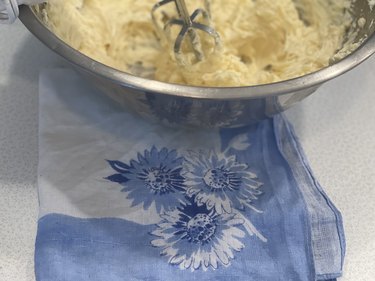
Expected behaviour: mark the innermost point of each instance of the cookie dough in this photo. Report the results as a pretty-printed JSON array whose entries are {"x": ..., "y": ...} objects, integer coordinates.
[{"x": 263, "y": 41}]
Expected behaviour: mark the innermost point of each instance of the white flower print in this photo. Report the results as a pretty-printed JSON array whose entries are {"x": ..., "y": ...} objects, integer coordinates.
[
  {"x": 195, "y": 237},
  {"x": 220, "y": 182}
]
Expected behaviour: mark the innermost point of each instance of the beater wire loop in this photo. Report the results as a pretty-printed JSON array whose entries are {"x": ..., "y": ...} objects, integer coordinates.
[{"x": 189, "y": 27}]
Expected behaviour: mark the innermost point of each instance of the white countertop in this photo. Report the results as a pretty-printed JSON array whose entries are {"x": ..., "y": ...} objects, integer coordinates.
[{"x": 336, "y": 127}]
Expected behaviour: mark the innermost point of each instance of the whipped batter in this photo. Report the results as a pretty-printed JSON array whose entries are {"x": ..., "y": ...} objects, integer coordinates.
[{"x": 263, "y": 41}]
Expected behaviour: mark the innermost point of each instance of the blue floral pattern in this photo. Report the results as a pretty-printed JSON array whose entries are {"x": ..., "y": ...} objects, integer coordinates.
[
  {"x": 155, "y": 177},
  {"x": 220, "y": 182},
  {"x": 201, "y": 198},
  {"x": 168, "y": 110},
  {"x": 196, "y": 237}
]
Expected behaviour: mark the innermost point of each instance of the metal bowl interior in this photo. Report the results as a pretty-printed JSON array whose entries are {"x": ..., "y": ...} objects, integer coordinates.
[{"x": 203, "y": 106}]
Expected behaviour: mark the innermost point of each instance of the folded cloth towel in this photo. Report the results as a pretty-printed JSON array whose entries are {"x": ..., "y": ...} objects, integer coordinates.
[{"x": 123, "y": 199}]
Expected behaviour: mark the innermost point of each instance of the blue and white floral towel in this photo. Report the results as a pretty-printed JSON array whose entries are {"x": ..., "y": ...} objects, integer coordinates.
[{"x": 122, "y": 199}]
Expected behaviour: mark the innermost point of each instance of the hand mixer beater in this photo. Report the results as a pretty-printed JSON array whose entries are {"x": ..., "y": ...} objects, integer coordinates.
[{"x": 189, "y": 28}]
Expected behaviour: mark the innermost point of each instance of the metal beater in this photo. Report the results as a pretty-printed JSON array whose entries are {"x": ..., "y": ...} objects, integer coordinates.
[{"x": 189, "y": 27}]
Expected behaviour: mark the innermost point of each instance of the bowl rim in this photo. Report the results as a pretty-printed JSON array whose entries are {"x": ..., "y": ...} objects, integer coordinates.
[{"x": 36, "y": 27}]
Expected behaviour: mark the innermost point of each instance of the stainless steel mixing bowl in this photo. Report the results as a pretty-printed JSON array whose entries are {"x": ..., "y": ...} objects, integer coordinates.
[{"x": 179, "y": 105}]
